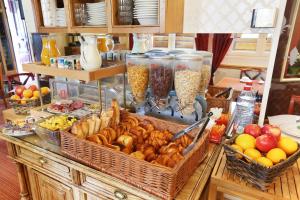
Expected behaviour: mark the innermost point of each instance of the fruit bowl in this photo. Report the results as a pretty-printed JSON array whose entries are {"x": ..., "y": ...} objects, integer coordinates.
[{"x": 250, "y": 170}]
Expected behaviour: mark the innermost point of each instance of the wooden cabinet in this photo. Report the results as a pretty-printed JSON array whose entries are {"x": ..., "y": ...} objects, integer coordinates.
[
  {"x": 45, "y": 188},
  {"x": 170, "y": 19}
]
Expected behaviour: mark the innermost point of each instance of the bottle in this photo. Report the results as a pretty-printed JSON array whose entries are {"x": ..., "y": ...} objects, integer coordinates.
[{"x": 245, "y": 109}]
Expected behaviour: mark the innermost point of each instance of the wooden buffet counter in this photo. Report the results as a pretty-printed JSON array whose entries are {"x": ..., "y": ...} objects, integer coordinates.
[{"x": 46, "y": 173}]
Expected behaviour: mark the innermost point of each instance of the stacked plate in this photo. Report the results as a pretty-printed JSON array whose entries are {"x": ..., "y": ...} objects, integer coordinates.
[
  {"x": 96, "y": 13},
  {"x": 60, "y": 19},
  {"x": 146, "y": 11}
]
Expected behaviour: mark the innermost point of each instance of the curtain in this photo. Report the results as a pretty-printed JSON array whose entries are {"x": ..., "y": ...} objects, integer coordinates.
[
  {"x": 201, "y": 41},
  {"x": 130, "y": 41},
  {"x": 221, "y": 44}
]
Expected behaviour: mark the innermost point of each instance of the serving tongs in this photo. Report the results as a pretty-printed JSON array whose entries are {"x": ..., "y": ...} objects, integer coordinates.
[
  {"x": 226, "y": 91},
  {"x": 190, "y": 128},
  {"x": 228, "y": 132},
  {"x": 198, "y": 136}
]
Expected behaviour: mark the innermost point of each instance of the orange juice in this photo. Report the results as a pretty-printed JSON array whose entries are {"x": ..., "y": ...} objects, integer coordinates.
[
  {"x": 53, "y": 50},
  {"x": 45, "y": 57},
  {"x": 101, "y": 43}
]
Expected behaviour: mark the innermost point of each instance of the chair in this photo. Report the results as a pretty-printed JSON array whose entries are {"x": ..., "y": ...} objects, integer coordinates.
[
  {"x": 294, "y": 100},
  {"x": 14, "y": 79},
  {"x": 253, "y": 74},
  {"x": 2, "y": 94}
]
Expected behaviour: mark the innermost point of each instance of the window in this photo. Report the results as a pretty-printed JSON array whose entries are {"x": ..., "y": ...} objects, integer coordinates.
[
  {"x": 172, "y": 41},
  {"x": 252, "y": 42}
]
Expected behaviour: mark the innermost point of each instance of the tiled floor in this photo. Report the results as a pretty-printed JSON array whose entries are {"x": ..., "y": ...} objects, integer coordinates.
[{"x": 9, "y": 187}]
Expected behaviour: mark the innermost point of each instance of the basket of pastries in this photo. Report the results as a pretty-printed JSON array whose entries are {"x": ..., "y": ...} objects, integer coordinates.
[
  {"x": 26, "y": 98},
  {"x": 136, "y": 149},
  {"x": 219, "y": 97},
  {"x": 259, "y": 155}
]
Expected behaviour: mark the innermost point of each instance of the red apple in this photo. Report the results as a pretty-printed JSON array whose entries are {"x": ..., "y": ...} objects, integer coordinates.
[
  {"x": 33, "y": 88},
  {"x": 266, "y": 142},
  {"x": 19, "y": 90},
  {"x": 252, "y": 129},
  {"x": 272, "y": 130}
]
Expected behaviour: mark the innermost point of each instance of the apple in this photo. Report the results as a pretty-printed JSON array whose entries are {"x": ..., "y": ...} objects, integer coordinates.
[
  {"x": 266, "y": 142},
  {"x": 33, "y": 87},
  {"x": 19, "y": 90},
  {"x": 272, "y": 130},
  {"x": 252, "y": 129}
]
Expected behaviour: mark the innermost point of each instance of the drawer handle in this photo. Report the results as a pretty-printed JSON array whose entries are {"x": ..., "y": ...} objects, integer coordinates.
[
  {"x": 42, "y": 160},
  {"x": 120, "y": 195}
]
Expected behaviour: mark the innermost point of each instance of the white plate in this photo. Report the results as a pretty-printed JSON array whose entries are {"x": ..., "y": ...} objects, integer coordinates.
[
  {"x": 291, "y": 129},
  {"x": 148, "y": 21},
  {"x": 145, "y": 13},
  {"x": 145, "y": 16}
]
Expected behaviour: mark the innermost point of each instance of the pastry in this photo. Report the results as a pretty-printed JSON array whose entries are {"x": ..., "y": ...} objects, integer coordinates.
[
  {"x": 95, "y": 138},
  {"x": 138, "y": 155},
  {"x": 92, "y": 124},
  {"x": 125, "y": 140},
  {"x": 85, "y": 127}
]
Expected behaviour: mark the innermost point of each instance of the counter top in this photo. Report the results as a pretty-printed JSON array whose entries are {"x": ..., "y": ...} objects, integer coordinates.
[{"x": 192, "y": 190}]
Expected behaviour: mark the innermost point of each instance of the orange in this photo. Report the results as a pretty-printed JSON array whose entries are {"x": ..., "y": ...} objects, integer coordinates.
[
  {"x": 245, "y": 141},
  {"x": 45, "y": 90},
  {"x": 238, "y": 149},
  {"x": 288, "y": 145},
  {"x": 265, "y": 162},
  {"x": 27, "y": 93},
  {"x": 276, "y": 155},
  {"x": 252, "y": 153},
  {"x": 36, "y": 94},
  {"x": 33, "y": 98}
]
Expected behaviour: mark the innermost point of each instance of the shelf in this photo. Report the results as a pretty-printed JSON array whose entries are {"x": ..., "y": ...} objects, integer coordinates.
[
  {"x": 104, "y": 72},
  {"x": 43, "y": 29},
  {"x": 89, "y": 29},
  {"x": 135, "y": 29}
]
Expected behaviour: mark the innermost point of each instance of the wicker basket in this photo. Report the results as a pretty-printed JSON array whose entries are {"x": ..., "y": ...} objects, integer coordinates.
[
  {"x": 213, "y": 102},
  {"x": 161, "y": 181},
  {"x": 259, "y": 176},
  {"x": 24, "y": 109}
]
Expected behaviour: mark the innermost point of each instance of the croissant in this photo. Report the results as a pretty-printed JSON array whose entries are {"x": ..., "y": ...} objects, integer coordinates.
[
  {"x": 138, "y": 155},
  {"x": 184, "y": 141},
  {"x": 94, "y": 138}
]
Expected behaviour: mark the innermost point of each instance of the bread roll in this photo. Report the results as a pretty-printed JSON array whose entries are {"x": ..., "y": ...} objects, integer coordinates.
[
  {"x": 85, "y": 127},
  {"x": 92, "y": 124},
  {"x": 138, "y": 155},
  {"x": 125, "y": 140}
]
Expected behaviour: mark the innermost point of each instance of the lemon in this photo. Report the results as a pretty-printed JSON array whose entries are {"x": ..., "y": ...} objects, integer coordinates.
[
  {"x": 265, "y": 162},
  {"x": 245, "y": 141},
  {"x": 288, "y": 145},
  {"x": 276, "y": 155},
  {"x": 252, "y": 153}
]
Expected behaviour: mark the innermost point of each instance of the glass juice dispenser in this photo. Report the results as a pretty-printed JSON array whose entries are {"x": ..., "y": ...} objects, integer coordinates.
[{"x": 188, "y": 76}]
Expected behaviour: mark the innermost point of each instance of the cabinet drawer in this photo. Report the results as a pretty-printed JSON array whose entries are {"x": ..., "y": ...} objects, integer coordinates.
[
  {"x": 104, "y": 189},
  {"x": 45, "y": 163}
]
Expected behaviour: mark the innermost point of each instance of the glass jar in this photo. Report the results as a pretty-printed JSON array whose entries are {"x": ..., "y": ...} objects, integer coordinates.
[
  {"x": 45, "y": 57},
  {"x": 188, "y": 70},
  {"x": 161, "y": 77},
  {"x": 53, "y": 50},
  {"x": 138, "y": 76},
  {"x": 206, "y": 70}
]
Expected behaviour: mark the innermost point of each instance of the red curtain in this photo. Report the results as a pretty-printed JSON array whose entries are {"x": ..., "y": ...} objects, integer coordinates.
[
  {"x": 221, "y": 44},
  {"x": 201, "y": 41},
  {"x": 130, "y": 41}
]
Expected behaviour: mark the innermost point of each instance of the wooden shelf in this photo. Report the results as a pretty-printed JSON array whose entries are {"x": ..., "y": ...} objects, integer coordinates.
[
  {"x": 104, "y": 72},
  {"x": 43, "y": 29},
  {"x": 89, "y": 29},
  {"x": 135, "y": 29}
]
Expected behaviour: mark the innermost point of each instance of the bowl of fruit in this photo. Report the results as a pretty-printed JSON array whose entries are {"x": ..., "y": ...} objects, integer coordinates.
[
  {"x": 24, "y": 98},
  {"x": 260, "y": 154},
  {"x": 49, "y": 128}
]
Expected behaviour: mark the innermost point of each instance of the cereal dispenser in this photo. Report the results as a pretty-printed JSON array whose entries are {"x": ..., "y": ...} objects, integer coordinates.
[{"x": 138, "y": 77}]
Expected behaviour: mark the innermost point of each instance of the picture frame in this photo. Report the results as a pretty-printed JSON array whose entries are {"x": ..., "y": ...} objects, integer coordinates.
[{"x": 290, "y": 70}]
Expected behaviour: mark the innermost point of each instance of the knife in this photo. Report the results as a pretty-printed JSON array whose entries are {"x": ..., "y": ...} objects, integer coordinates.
[
  {"x": 198, "y": 136},
  {"x": 188, "y": 129}
]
